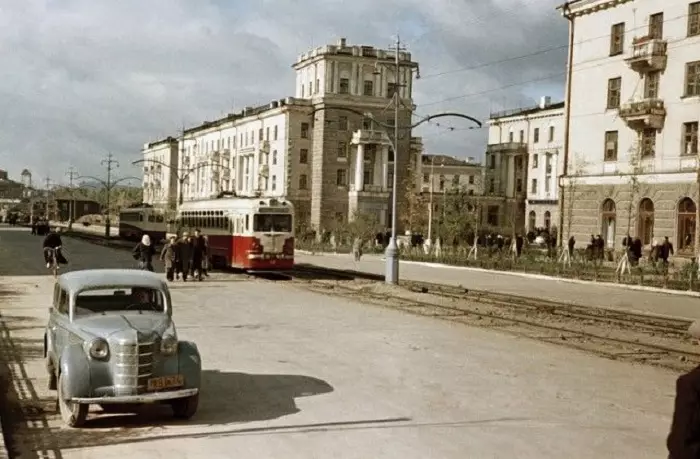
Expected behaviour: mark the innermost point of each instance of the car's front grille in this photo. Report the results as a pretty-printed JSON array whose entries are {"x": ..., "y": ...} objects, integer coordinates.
[{"x": 134, "y": 365}]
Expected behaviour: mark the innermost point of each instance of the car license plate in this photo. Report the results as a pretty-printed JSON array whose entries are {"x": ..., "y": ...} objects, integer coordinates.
[{"x": 166, "y": 382}]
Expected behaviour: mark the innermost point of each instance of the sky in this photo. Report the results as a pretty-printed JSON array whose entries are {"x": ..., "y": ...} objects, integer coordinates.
[{"x": 83, "y": 78}]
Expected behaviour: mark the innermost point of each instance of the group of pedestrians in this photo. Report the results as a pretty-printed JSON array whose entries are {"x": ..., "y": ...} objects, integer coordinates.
[{"x": 187, "y": 256}]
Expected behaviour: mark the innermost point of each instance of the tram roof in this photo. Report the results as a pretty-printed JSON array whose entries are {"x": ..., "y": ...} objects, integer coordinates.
[{"x": 230, "y": 203}]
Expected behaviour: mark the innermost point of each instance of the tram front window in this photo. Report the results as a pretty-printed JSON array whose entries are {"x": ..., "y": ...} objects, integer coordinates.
[{"x": 272, "y": 223}]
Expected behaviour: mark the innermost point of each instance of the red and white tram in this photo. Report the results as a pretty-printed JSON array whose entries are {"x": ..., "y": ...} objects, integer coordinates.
[{"x": 251, "y": 233}]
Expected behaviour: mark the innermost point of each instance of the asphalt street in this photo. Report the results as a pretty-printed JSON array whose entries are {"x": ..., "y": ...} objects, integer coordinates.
[{"x": 294, "y": 374}]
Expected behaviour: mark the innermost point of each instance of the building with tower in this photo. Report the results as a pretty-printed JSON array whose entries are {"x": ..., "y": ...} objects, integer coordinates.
[{"x": 331, "y": 163}]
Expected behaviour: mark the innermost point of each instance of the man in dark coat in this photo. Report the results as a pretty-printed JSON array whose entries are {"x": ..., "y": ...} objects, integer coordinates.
[
  {"x": 183, "y": 256},
  {"x": 199, "y": 251},
  {"x": 684, "y": 439}
]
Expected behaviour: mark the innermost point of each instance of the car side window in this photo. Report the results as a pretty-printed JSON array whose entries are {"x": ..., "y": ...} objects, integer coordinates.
[{"x": 62, "y": 303}]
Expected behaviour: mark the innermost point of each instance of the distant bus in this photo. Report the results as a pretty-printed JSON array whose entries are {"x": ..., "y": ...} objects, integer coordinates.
[{"x": 137, "y": 221}]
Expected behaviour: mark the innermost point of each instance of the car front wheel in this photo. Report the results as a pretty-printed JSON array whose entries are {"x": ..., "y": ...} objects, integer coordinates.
[
  {"x": 73, "y": 414},
  {"x": 185, "y": 408}
]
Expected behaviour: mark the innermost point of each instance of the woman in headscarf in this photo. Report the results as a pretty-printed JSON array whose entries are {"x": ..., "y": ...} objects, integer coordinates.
[{"x": 143, "y": 253}]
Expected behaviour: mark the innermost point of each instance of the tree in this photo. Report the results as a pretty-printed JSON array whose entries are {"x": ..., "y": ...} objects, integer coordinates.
[
  {"x": 458, "y": 221},
  {"x": 364, "y": 225},
  {"x": 634, "y": 170},
  {"x": 571, "y": 192}
]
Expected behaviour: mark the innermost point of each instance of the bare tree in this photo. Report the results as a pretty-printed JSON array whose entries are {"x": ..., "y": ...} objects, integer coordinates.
[
  {"x": 571, "y": 191},
  {"x": 634, "y": 170}
]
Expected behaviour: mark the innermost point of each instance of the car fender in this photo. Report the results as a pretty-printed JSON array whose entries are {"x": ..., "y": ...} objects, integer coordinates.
[
  {"x": 190, "y": 363},
  {"x": 75, "y": 372}
]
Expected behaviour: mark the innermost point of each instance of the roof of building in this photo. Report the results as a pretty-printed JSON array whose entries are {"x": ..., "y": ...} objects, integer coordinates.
[
  {"x": 526, "y": 111},
  {"x": 447, "y": 160}
]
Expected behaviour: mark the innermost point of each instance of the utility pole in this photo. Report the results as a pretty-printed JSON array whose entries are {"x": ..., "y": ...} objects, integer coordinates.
[
  {"x": 392, "y": 250},
  {"x": 110, "y": 163},
  {"x": 72, "y": 175},
  {"x": 48, "y": 186}
]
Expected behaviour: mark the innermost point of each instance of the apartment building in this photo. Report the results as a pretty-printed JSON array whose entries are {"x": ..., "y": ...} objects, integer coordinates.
[
  {"x": 634, "y": 112},
  {"x": 523, "y": 166},
  {"x": 160, "y": 173},
  {"x": 441, "y": 173},
  {"x": 323, "y": 149}
]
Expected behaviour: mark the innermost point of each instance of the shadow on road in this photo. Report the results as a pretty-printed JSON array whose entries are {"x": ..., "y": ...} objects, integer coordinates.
[{"x": 225, "y": 398}]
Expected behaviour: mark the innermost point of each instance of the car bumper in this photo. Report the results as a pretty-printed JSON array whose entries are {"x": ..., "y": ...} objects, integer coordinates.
[{"x": 152, "y": 397}]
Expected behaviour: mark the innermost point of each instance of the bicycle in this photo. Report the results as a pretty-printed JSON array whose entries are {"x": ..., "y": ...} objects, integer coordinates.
[{"x": 53, "y": 264}]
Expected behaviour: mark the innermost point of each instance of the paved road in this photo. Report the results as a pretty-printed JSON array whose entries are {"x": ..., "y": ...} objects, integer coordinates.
[
  {"x": 289, "y": 373},
  {"x": 586, "y": 294}
]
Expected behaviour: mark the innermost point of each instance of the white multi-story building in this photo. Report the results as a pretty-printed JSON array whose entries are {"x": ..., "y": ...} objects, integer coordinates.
[
  {"x": 523, "y": 160},
  {"x": 634, "y": 111},
  {"x": 160, "y": 173}
]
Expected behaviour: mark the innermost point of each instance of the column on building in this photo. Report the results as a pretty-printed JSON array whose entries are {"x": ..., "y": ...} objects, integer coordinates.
[
  {"x": 543, "y": 175},
  {"x": 553, "y": 179},
  {"x": 385, "y": 167},
  {"x": 360, "y": 167}
]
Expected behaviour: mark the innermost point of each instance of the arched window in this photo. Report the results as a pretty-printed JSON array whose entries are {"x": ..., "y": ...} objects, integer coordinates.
[
  {"x": 608, "y": 219},
  {"x": 532, "y": 218},
  {"x": 645, "y": 222},
  {"x": 547, "y": 220},
  {"x": 686, "y": 224}
]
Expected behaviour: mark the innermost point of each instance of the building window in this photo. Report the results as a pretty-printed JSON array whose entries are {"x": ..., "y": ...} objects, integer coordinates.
[
  {"x": 694, "y": 19},
  {"x": 303, "y": 182},
  {"x": 455, "y": 181},
  {"x": 274, "y": 157},
  {"x": 343, "y": 123},
  {"x": 492, "y": 162},
  {"x": 532, "y": 221},
  {"x": 608, "y": 220},
  {"x": 302, "y": 90},
  {"x": 651, "y": 85},
  {"x": 274, "y": 133},
  {"x": 614, "y": 92},
  {"x": 426, "y": 178},
  {"x": 442, "y": 183},
  {"x": 310, "y": 88},
  {"x": 341, "y": 177},
  {"x": 390, "y": 90},
  {"x": 611, "y": 146},
  {"x": 510, "y": 137},
  {"x": 536, "y": 135},
  {"x": 492, "y": 215},
  {"x": 471, "y": 180},
  {"x": 551, "y": 133},
  {"x": 648, "y": 143},
  {"x": 344, "y": 87},
  {"x": 267, "y": 133},
  {"x": 656, "y": 27},
  {"x": 535, "y": 161},
  {"x": 368, "y": 88},
  {"x": 547, "y": 220},
  {"x": 492, "y": 185},
  {"x": 686, "y": 224},
  {"x": 366, "y": 124},
  {"x": 342, "y": 150},
  {"x": 274, "y": 182},
  {"x": 692, "y": 78},
  {"x": 260, "y": 134},
  {"x": 533, "y": 189},
  {"x": 303, "y": 156},
  {"x": 645, "y": 230},
  {"x": 690, "y": 139},
  {"x": 617, "y": 39},
  {"x": 522, "y": 136},
  {"x": 519, "y": 185},
  {"x": 304, "y": 130},
  {"x": 318, "y": 86}
]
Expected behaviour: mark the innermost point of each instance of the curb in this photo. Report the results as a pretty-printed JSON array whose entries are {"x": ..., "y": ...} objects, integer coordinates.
[{"x": 428, "y": 264}]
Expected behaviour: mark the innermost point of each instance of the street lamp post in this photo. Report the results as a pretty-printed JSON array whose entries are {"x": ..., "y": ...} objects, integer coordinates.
[{"x": 391, "y": 253}]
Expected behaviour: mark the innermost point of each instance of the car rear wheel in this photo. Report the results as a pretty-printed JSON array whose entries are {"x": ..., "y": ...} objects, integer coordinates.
[
  {"x": 73, "y": 414},
  {"x": 185, "y": 408}
]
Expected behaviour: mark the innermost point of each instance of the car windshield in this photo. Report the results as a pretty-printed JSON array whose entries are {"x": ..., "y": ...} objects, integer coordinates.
[
  {"x": 120, "y": 299},
  {"x": 272, "y": 222}
]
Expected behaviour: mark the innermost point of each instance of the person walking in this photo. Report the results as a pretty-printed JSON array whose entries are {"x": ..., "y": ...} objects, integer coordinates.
[
  {"x": 143, "y": 253},
  {"x": 206, "y": 261},
  {"x": 357, "y": 248},
  {"x": 199, "y": 252},
  {"x": 183, "y": 256},
  {"x": 169, "y": 258}
]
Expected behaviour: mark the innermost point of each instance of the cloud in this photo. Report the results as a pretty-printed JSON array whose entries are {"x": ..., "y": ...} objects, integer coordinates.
[{"x": 81, "y": 78}]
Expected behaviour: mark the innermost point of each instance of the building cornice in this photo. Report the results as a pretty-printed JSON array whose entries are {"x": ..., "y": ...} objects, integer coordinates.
[
  {"x": 577, "y": 8},
  {"x": 519, "y": 118}
]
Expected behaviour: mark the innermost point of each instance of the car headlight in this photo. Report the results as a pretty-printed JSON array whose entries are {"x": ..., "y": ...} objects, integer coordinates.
[
  {"x": 99, "y": 349},
  {"x": 168, "y": 345}
]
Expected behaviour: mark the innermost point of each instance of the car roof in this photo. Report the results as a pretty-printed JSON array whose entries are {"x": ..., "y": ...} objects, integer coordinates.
[{"x": 95, "y": 278}]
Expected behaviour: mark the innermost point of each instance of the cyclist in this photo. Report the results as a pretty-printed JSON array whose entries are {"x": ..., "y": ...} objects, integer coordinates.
[{"x": 52, "y": 241}]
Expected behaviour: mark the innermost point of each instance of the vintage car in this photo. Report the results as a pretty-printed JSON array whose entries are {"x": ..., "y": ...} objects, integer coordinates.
[{"x": 111, "y": 340}]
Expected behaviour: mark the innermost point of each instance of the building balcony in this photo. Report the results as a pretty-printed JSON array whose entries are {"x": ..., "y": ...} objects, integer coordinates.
[
  {"x": 226, "y": 173},
  {"x": 366, "y": 136},
  {"x": 507, "y": 147},
  {"x": 265, "y": 146},
  {"x": 647, "y": 113},
  {"x": 648, "y": 54}
]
